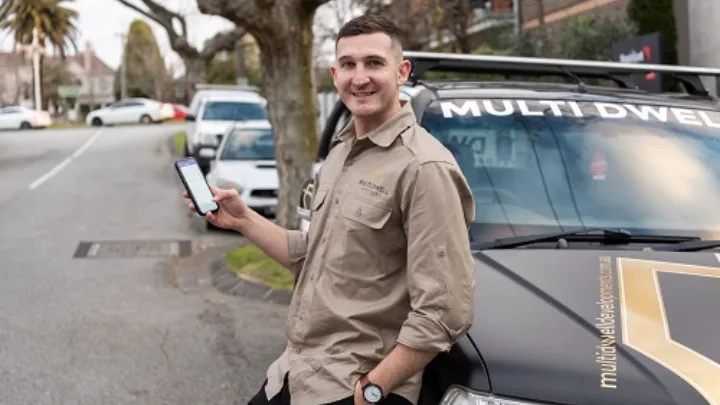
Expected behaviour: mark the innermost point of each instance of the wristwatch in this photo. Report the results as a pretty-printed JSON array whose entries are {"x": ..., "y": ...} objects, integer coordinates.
[{"x": 372, "y": 393}]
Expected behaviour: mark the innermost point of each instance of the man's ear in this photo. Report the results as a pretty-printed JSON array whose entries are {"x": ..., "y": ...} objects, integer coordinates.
[
  {"x": 333, "y": 73},
  {"x": 404, "y": 71}
]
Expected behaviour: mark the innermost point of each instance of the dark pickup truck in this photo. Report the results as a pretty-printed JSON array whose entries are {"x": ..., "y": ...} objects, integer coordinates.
[{"x": 596, "y": 230}]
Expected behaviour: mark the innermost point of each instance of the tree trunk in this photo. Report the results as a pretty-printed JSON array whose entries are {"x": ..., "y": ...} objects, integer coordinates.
[
  {"x": 240, "y": 73},
  {"x": 292, "y": 108},
  {"x": 194, "y": 73}
]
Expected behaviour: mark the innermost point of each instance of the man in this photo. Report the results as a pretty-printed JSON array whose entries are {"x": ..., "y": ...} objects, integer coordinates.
[{"x": 385, "y": 277}]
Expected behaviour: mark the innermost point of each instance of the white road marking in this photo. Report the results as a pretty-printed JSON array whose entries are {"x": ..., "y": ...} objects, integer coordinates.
[{"x": 55, "y": 170}]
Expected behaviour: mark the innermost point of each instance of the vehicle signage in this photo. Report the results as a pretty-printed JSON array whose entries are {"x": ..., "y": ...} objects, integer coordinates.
[
  {"x": 645, "y": 326},
  {"x": 562, "y": 108}
]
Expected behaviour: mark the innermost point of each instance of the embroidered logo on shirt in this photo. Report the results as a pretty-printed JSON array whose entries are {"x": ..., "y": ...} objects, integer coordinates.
[{"x": 372, "y": 182}]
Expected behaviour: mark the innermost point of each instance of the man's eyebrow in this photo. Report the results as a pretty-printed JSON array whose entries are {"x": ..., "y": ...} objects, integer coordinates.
[{"x": 367, "y": 57}]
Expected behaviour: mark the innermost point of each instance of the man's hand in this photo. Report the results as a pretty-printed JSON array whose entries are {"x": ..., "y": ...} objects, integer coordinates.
[
  {"x": 359, "y": 399},
  {"x": 232, "y": 209}
]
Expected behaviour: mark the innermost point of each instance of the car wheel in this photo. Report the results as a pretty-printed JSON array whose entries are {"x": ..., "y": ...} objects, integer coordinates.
[
  {"x": 96, "y": 122},
  {"x": 25, "y": 125},
  {"x": 145, "y": 119}
]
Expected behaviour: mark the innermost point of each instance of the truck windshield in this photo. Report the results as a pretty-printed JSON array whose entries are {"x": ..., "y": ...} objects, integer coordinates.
[
  {"x": 233, "y": 111},
  {"x": 539, "y": 166},
  {"x": 246, "y": 144}
]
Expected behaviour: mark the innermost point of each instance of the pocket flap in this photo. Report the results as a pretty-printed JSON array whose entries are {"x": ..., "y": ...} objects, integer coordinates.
[{"x": 365, "y": 213}]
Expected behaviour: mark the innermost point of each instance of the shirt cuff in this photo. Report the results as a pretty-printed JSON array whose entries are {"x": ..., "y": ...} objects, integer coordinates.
[
  {"x": 297, "y": 249},
  {"x": 422, "y": 333}
]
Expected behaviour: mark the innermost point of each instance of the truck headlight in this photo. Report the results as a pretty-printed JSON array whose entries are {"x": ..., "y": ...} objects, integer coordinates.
[
  {"x": 458, "y": 395},
  {"x": 210, "y": 139}
]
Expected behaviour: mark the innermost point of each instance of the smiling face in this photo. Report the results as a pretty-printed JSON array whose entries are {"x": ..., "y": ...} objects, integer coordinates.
[{"x": 368, "y": 72}]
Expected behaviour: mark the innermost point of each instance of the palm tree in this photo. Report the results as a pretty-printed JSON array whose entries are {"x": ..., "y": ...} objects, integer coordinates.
[{"x": 54, "y": 22}]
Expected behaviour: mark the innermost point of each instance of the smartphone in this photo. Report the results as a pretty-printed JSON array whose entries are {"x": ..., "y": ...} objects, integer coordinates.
[{"x": 196, "y": 185}]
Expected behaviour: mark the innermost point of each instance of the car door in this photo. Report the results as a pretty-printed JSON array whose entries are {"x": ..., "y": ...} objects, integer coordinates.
[
  {"x": 114, "y": 113},
  {"x": 136, "y": 109},
  {"x": 12, "y": 117},
  {"x": 4, "y": 120}
]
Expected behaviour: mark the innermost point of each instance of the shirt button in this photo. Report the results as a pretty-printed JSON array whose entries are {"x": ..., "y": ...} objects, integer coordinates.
[
  {"x": 337, "y": 200},
  {"x": 298, "y": 351}
]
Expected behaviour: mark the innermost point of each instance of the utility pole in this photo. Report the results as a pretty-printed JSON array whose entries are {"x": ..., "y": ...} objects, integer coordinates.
[
  {"x": 36, "y": 50},
  {"x": 123, "y": 68}
]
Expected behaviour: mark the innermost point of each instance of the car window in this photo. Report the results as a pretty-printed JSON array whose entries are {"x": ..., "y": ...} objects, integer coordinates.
[
  {"x": 233, "y": 111},
  {"x": 245, "y": 144},
  {"x": 535, "y": 166}
]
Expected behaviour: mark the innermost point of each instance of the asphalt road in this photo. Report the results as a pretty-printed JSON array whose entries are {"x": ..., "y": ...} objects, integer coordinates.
[{"x": 113, "y": 330}]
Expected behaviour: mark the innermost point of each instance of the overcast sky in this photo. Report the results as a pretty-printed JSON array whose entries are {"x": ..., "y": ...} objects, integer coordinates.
[{"x": 101, "y": 22}]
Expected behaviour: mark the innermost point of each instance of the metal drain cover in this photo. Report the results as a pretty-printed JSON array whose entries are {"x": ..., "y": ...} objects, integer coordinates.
[{"x": 133, "y": 248}]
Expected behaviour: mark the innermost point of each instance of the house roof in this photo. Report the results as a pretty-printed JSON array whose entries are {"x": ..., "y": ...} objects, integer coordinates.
[{"x": 97, "y": 66}]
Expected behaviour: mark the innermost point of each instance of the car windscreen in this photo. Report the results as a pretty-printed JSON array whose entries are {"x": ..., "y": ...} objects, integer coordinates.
[
  {"x": 246, "y": 144},
  {"x": 540, "y": 166},
  {"x": 233, "y": 111}
]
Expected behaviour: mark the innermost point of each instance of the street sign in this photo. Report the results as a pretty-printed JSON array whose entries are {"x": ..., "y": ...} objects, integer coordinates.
[{"x": 68, "y": 91}]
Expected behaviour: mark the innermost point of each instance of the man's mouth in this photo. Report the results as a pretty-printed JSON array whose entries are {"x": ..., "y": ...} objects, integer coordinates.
[{"x": 363, "y": 94}]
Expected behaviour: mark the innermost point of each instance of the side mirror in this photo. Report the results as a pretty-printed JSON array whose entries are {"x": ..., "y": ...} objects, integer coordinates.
[
  {"x": 190, "y": 118},
  {"x": 306, "y": 194},
  {"x": 219, "y": 138},
  {"x": 208, "y": 153}
]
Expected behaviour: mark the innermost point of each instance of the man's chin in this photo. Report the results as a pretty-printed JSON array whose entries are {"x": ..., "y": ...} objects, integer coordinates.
[{"x": 364, "y": 110}]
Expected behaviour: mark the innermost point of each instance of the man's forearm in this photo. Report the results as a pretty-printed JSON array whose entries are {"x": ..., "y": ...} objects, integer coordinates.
[
  {"x": 266, "y": 235},
  {"x": 400, "y": 364}
]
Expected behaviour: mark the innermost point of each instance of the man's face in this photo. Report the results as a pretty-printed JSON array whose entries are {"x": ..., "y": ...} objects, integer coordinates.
[{"x": 368, "y": 73}]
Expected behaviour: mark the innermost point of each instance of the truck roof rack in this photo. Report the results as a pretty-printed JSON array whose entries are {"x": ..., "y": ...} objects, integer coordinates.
[
  {"x": 212, "y": 86},
  {"x": 619, "y": 72}
]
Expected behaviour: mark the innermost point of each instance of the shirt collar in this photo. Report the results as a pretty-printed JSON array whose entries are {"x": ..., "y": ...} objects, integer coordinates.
[{"x": 385, "y": 134}]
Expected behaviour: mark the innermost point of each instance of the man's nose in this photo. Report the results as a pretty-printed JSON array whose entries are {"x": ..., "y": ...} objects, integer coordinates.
[{"x": 360, "y": 78}]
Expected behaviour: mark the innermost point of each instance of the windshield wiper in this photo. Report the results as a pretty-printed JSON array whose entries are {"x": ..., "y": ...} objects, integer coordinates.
[
  {"x": 690, "y": 246},
  {"x": 607, "y": 236}
]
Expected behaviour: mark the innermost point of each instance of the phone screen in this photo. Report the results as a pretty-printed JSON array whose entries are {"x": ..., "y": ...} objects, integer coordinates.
[{"x": 196, "y": 185}]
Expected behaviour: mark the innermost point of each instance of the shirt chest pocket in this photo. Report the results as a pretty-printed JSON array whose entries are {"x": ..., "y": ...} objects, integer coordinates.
[{"x": 359, "y": 215}]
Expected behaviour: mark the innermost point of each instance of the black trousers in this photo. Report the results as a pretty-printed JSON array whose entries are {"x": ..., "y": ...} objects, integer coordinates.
[{"x": 283, "y": 398}]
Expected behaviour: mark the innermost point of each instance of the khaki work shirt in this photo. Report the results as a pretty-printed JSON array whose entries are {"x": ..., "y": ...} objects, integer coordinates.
[{"x": 386, "y": 260}]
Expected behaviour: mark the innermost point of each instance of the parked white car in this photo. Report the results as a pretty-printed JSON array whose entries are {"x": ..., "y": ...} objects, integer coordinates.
[
  {"x": 204, "y": 91},
  {"x": 131, "y": 110},
  {"x": 217, "y": 113},
  {"x": 18, "y": 117},
  {"x": 245, "y": 161}
]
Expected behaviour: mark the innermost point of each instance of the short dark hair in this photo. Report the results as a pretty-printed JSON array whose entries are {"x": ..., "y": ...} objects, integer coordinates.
[{"x": 371, "y": 23}]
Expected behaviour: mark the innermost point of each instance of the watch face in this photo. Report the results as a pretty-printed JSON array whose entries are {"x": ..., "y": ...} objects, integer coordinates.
[{"x": 372, "y": 393}]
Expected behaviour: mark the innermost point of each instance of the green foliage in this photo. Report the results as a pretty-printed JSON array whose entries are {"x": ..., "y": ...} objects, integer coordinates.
[
  {"x": 656, "y": 16},
  {"x": 221, "y": 71},
  {"x": 54, "y": 20},
  {"x": 250, "y": 262},
  {"x": 146, "y": 73},
  {"x": 581, "y": 37},
  {"x": 592, "y": 37}
]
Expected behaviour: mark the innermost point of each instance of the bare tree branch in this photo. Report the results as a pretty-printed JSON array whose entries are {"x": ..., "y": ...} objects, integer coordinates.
[
  {"x": 141, "y": 11},
  {"x": 221, "y": 41},
  {"x": 244, "y": 13},
  {"x": 178, "y": 40}
]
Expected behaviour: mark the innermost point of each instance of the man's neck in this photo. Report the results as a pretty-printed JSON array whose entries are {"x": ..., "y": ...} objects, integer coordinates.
[{"x": 364, "y": 126}]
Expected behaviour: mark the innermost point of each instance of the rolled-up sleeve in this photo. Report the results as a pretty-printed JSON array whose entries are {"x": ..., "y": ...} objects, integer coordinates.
[
  {"x": 437, "y": 211},
  {"x": 297, "y": 249}
]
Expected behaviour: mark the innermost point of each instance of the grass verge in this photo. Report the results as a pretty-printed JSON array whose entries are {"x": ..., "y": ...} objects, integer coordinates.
[
  {"x": 250, "y": 262},
  {"x": 179, "y": 139}
]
